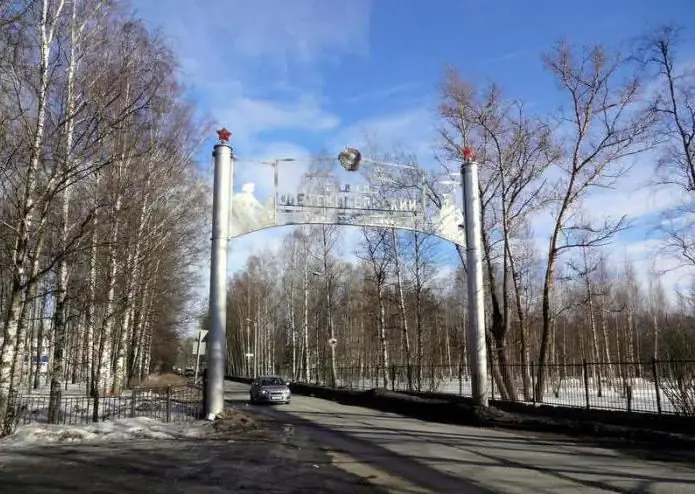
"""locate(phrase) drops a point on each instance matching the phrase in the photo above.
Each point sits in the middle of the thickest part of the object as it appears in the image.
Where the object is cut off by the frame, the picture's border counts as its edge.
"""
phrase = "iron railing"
(656, 386)
(165, 403)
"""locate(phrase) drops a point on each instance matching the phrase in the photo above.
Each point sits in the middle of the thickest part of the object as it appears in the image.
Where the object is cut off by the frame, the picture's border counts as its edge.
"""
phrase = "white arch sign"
(325, 201)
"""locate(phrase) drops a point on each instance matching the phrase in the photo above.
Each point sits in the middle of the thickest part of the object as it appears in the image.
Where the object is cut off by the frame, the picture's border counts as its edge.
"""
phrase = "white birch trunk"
(21, 248)
(146, 330)
(139, 332)
(401, 308)
(40, 344)
(305, 329)
(135, 325)
(382, 334)
(27, 304)
(106, 339)
(92, 355)
(59, 326)
(17, 364)
(133, 262)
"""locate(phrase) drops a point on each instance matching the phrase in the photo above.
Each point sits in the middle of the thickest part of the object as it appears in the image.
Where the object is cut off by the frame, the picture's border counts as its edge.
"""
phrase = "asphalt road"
(404, 455)
(175, 467)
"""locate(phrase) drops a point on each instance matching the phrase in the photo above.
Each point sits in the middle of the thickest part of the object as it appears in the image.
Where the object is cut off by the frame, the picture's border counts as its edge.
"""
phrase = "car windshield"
(272, 381)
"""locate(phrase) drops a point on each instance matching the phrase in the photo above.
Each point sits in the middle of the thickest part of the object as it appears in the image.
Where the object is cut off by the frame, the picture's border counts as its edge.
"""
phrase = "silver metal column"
(217, 337)
(474, 261)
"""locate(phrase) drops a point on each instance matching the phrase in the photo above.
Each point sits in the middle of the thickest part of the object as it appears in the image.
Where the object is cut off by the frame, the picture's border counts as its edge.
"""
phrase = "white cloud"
(635, 195)
(263, 30)
(253, 68)
(642, 202)
(383, 93)
(650, 262)
(254, 64)
(248, 118)
(410, 130)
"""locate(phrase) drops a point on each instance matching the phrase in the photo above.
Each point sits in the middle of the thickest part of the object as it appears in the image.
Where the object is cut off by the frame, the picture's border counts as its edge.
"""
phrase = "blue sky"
(293, 77)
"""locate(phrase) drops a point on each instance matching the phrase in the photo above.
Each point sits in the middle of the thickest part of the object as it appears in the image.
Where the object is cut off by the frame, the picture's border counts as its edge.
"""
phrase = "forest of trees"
(562, 299)
(102, 205)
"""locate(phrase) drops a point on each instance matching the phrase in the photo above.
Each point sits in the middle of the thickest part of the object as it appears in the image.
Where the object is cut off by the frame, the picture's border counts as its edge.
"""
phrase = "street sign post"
(199, 349)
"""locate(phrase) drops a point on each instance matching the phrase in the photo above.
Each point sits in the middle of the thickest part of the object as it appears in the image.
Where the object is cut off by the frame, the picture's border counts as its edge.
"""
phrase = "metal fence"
(166, 403)
(657, 386)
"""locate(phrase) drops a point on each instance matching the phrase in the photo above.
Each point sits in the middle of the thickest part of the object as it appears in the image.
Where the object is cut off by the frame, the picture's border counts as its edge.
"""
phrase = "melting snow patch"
(112, 431)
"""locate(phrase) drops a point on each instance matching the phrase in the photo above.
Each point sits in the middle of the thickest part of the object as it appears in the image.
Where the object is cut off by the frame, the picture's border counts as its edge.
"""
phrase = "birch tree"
(82, 82)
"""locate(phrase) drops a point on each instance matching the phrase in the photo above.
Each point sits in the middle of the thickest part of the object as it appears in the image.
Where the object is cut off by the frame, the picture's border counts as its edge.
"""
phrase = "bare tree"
(375, 253)
(673, 101)
(515, 152)
(602, 128)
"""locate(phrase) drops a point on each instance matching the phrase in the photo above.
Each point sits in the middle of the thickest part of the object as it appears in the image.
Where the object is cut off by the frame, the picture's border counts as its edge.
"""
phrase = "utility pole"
(217, 337)
(474, 278)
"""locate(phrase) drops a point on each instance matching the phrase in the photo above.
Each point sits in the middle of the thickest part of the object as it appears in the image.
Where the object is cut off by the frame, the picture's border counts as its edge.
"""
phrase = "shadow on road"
(664, 452)
(365, 440)
(366, 452)
(191, 466)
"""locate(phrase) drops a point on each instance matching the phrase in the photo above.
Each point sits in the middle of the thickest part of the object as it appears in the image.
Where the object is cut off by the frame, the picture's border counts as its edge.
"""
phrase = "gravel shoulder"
(231, 457)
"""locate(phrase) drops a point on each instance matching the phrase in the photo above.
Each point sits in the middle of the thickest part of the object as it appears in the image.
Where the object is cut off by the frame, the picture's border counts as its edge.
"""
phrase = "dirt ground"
(236, 456)
(166, 379)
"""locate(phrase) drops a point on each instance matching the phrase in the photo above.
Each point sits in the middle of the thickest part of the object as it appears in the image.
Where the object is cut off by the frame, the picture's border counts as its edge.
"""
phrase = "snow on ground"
(133, 414)
(78, 389)
(109, 431)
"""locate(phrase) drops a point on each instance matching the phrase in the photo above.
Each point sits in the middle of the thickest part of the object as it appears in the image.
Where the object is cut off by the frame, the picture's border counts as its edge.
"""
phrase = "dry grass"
(234, 421)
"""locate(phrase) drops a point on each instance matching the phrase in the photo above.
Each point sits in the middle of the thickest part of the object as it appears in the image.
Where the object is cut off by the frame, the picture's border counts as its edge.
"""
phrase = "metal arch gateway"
(323, 201)
(329, 204)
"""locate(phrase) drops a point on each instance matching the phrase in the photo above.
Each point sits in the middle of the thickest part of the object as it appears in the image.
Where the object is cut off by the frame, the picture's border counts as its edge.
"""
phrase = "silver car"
(270, 389)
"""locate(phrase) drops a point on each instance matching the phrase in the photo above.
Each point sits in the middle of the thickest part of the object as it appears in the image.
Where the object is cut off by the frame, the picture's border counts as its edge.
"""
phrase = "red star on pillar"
(468, 153)
(224, 134)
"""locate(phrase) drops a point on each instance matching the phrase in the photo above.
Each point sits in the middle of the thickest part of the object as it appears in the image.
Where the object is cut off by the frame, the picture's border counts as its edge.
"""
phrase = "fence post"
(168, 403)
(95, 405)
(657, 385)
(533, 383)
(585, 371)
(132, 402)
(460, 378)
(205, 391)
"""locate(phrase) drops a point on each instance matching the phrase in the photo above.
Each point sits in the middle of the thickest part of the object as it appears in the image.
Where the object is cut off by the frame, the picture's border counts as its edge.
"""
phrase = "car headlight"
(264, 391)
